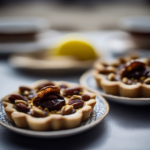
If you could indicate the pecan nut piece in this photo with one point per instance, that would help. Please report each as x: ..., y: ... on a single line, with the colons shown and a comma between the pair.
x: 44, y: 92
x: 22, y: 108
x: 73, y: 91
x: 67, y: 109
x: 76, y: 103
x: 55, y: 104
x: 14, y: 97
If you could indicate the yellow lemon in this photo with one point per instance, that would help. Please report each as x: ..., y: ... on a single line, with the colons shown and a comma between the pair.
x: 76, y: 47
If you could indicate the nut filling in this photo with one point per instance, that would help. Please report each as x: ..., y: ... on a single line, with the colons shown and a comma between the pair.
x: 46, y: 99
x: 129, y: 73
x: 127, y: 77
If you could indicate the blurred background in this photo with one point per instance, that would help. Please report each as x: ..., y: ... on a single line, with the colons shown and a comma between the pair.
x: 80, y: 15
x: 71, y: 34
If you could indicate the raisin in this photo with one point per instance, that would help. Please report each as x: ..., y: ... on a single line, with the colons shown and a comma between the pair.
x: 85, y: 97
x: 77, y: 103
x: 13, y: 97
x: 22, y: 108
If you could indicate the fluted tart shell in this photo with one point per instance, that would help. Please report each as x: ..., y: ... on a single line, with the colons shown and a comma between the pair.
x: 53, y: 121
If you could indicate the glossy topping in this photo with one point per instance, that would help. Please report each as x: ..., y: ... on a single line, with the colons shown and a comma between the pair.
x: 129, y: 70
x: 44, y: 93
x: 134, y: 69
x: 49, y: 97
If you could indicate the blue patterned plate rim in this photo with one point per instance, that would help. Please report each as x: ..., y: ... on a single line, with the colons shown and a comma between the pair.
x: 100, y: 112
x: 88, y: 75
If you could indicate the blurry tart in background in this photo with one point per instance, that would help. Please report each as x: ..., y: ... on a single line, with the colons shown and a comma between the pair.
x: 127, y: 77
x: 49, y: 105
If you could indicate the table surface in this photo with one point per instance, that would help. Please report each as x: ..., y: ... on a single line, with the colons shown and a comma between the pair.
x: 125, y: 127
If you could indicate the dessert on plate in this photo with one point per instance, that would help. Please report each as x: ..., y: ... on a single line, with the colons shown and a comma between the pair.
x: 49, y: 105
x: 127, y: 77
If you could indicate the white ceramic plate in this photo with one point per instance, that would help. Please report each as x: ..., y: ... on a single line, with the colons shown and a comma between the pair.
x: 88, y: 81
x: 63, y: 65
x: 100, y: 112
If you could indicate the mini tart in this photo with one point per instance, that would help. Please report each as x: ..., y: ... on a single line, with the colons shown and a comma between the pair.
x: 127, y: 77
x: 68, y: 114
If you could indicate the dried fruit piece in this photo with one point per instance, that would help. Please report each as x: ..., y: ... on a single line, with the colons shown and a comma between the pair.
x: 13, y: 97
x: 56, y: 104
x: 22, y: 108
x: 86, y: 97
x: 76, y: 103
x: 67, y: 109
x: 73, y: 91
x: 50, y: 97
x: 134, y: 69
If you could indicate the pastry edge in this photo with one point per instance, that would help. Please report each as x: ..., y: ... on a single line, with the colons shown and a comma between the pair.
x: 121, y: 89
x: 52, y: 122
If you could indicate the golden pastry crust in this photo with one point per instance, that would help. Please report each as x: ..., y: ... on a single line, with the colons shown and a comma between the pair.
x: 53, y: 121
x: 110, y: 85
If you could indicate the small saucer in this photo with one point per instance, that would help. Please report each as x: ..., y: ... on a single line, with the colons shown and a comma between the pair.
x: 88, y: 81
x: 100, y: 112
